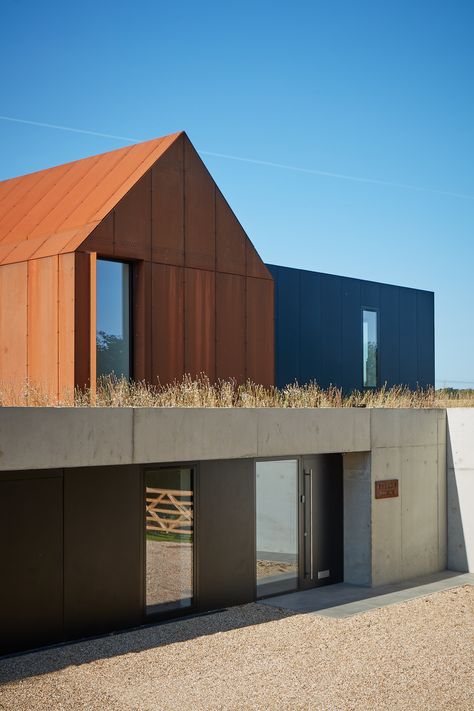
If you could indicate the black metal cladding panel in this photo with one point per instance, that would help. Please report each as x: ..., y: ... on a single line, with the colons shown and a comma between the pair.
x: 103, y: 549
x: 425, y: 321
x: 408, y: 338
x: 389, y: 325
x: 319, y: 330
x: 331, y: 332
x: 351, y: 334
x: 31, y: 535
x: 225, y: 529
x: 288, y: 343
x: 310, y: 330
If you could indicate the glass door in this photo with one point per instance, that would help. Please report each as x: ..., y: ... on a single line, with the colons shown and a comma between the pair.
x: 277, y: 528
x: 169, y: 533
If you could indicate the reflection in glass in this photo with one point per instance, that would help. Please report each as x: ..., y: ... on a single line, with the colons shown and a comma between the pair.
x: 369, y: 332
x: 277, y: 526
x: 169, y: 538
x: 113, y: 318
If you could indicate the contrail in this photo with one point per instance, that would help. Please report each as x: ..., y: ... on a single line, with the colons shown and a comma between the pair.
x: 255, y: 161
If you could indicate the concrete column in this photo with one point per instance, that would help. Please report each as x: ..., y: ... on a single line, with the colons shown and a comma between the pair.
x: 357, y: 519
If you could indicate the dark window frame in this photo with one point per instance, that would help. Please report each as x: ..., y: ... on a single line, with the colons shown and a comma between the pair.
x: 192, y: 609
x: 376, y: 311
x: 131, y: 307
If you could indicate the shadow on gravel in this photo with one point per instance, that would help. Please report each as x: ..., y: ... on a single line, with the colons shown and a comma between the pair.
x: 55, y: 658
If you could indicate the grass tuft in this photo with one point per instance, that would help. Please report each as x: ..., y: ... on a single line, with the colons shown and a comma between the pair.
x: 201, y: 392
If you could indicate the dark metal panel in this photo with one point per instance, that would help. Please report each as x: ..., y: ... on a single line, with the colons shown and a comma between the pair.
x: 351, y: 335
x: 408, y: 338
x: 31, y: 535
x: 200, y: 323
x: 310, y: 326
x: 389, y: 335
x: 199, y: 201
x: 225, y: 533
x: 132, y: 222
x: 288, y: 339
x: 231, y: 239
x: 260, y: 338
x: 230, y: 326
x: 167, y: 205
x: 103, y: 549
x: 370, y: 294
x: 167, y: 323
x: 425, y: 333
x: 331, y: 331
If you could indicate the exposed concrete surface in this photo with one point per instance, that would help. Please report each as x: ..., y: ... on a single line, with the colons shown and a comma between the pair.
x: 42, y: 438
x: 343, y: 600
x: 409, y: 536
x: 357, y: 485
x: 50, y: 438
x: 416, y: 655
x: 460, y: 489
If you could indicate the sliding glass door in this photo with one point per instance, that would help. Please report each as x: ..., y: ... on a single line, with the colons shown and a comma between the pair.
x: 169, y: 509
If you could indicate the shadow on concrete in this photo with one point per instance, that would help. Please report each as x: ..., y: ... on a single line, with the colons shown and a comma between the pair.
x: 457, y: 552
x: 51, y: 659
x: 344, y: 600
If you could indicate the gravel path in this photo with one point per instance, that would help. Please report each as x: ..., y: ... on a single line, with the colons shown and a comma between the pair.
x: 416, y: 655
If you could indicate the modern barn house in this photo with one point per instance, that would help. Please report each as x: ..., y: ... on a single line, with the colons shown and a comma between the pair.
x: 133, y: 263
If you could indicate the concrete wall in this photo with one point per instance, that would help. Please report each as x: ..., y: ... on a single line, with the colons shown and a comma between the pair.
x: 460, y: 494
x: 46, y: 438
x: 408, y: 532
x: 385, y: 540
x: 357, y: 485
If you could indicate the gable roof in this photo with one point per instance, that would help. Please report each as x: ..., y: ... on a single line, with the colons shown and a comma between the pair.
x: 53, y: 211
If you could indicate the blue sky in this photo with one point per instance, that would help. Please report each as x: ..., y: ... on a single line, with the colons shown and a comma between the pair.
x: 364, y: 89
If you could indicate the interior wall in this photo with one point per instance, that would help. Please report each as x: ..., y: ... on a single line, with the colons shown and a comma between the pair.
x: 203, y: 297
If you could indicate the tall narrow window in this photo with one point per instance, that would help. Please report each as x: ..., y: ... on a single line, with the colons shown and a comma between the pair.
x: 113, y: 319
x: 169, y: 538
x: 370, y: 348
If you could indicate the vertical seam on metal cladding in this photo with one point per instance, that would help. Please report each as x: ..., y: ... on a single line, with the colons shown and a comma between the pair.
x: 184, y: 228
x: 57, y: 328
x: 246, y: 357
x: 300, y: 334
x: 215, y: 278
x: 63, y: 635
x: 27, y: 322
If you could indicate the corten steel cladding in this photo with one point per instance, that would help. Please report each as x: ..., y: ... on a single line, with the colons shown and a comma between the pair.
x: 202, y: 297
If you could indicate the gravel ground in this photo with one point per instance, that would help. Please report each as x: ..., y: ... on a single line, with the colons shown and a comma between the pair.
x: 416, y: 655
x: 169, y: 571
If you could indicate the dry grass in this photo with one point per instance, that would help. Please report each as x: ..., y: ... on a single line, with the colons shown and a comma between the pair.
x: 200, y: 392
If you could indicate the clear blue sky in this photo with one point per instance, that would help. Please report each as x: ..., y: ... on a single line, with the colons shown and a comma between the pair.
x: 366, y: 89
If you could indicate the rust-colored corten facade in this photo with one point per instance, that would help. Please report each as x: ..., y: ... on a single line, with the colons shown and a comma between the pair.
x: 202, y: 297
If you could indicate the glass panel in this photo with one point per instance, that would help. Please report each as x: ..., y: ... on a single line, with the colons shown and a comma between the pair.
x: 113, y: 318
x: 169, y: 538
x: 369, y: 326
x: 277, y: 526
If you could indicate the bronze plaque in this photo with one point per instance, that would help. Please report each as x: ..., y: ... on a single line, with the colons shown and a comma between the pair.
x: 386, y: 489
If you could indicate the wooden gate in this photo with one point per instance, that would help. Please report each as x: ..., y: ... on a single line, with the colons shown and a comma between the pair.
x: 169, y: 511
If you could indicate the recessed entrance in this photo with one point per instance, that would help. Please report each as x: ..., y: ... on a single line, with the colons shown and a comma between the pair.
x: 299, y: 523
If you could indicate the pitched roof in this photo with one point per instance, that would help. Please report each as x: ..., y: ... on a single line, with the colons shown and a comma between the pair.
x: 53, y: 211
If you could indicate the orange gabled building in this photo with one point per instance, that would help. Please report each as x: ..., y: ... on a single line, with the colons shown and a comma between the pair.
x: 200, y: 298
